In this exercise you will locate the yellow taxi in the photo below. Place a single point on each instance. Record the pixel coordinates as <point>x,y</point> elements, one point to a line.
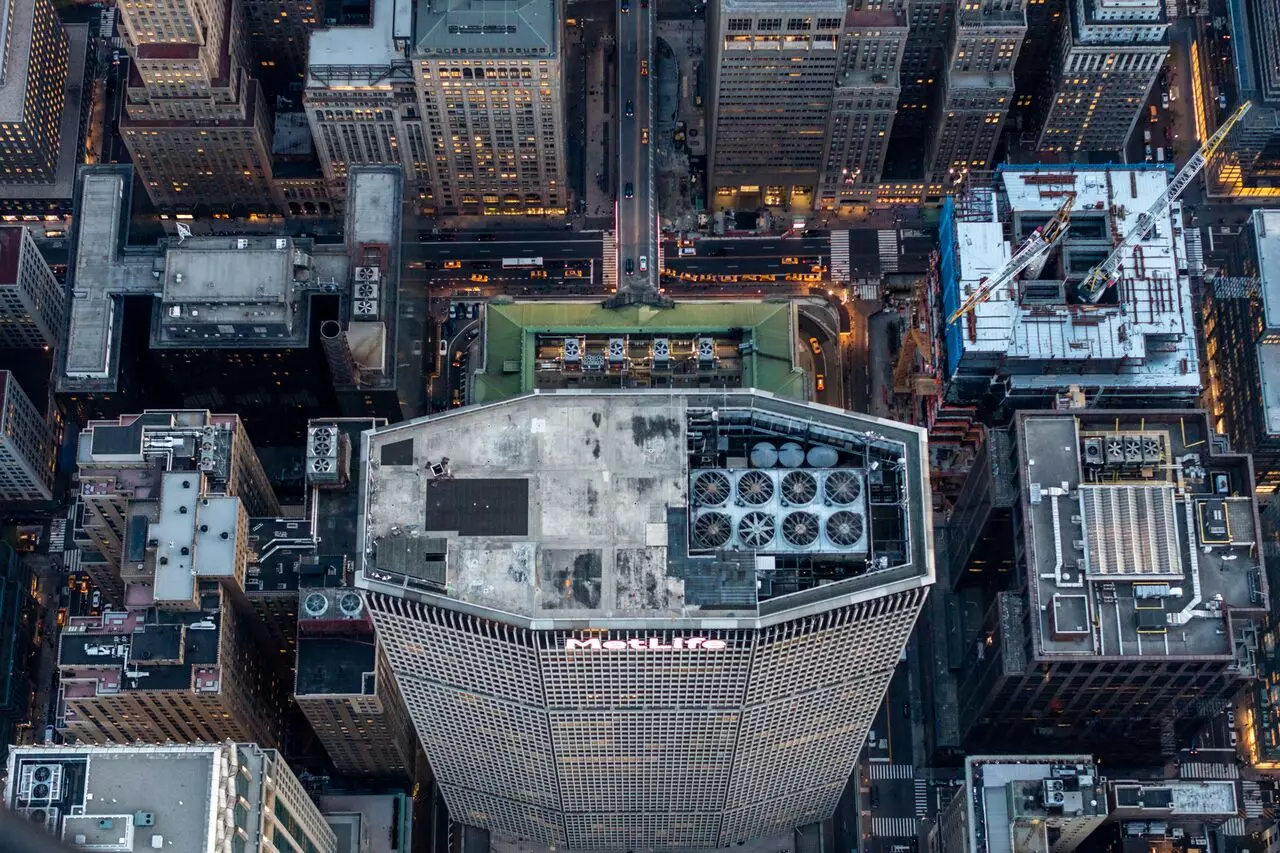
<point>453,265</point>
<point>644,68</point>
<point>571,273</point>
<point>790,261</point>
<point>644,136</point>
<point>479,279</point>
<point>538,274</point>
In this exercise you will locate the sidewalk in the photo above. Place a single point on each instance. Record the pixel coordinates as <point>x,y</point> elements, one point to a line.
<point>600,152</point>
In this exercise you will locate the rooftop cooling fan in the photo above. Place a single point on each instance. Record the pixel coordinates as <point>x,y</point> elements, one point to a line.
<point>845,528</point>
<point>800,528</point>
<point>315,604</point>
<point>843,487</point>
<point>42,774</point>
<point>755,488</point>
<point>710,488</point>
<point>350,604</point>
<point>756,529</point>
<point>799,487</point>
<point>712,530</point>
<point>40,791</point>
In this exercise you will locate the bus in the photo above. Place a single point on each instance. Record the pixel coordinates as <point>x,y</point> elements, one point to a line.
<point>521,263</point>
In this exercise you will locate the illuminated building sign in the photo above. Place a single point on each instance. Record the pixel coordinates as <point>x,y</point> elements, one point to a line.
<point>650,644</point>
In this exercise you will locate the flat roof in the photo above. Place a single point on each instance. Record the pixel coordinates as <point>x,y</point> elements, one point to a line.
<point>492,28</point>
<point>372,45</point>
<point>562,508</point>
<point>230,280</point>
<point>1136,514</point>
<point>336,666</point>
<point>993,808</point>
<point>511,333</point>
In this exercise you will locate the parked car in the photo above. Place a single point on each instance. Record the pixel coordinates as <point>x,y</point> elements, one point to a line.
<point>644,263</point>
<point>631,267</point>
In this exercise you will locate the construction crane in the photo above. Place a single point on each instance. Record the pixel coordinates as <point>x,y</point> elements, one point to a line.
<point>904,382</point>
<point>1101,277</point>
<point>1039,242</point>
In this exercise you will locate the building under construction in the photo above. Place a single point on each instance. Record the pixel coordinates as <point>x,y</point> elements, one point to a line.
<point>1031,339</point>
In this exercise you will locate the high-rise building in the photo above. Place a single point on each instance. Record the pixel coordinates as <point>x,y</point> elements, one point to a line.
<point>1111,53</point>
<point>772,72</point>
<point>362,104</point>
<point>1247,165</point>
<point>1130,609</point>
<point>122,465</point>
<point>278,31</point>
<point>16,604</point>
<point>977,87</point>
<point>923,60</point>
<point>35,58</point>
<point>1023,804</point>
<point>27,450</point>
<point>32,306</point>
<point>490,80</point>
<point>652,619</point>
<point>196,124</point>
<point>864,103</point>
<point>202,798</point>
<point>1034,340</point>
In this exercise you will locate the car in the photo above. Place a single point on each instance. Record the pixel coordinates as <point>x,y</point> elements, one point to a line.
<point>631,108</point>
<point>481,265</point>
<point>815,346</point>
<point>630,190</point>
<point>1148,150</point>
<point>444,348</point>
<point>1233,737</point>
<point>479,278</point>
<point>1164,100</point>
<point>457,359</point>
<point>644,136</point>
<point>487,238</point>
<point>95,600</point>
<point>787,262</point>
<point>570,272</point>
<point>1155,116</point>
<point>1173,93</point>
<point>821,382</point>
<point>453,265</point>
<point>644,68</point>
<point>1231,718</point>
<point>625,6</point>
<point>537,274</point>
<point>631,267</point>
<point>644,263</point>
<point>457,398</point>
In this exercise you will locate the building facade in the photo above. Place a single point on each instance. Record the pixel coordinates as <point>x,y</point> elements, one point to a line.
<point>1247,165</point>
<point>32,306</point>
<point>1108,60</point>
<point>658,664</point>
<point>36,52</point>
<point>206,798</point>
<point>196,124</point>
<point>492,99</point>
<point>27,450</point>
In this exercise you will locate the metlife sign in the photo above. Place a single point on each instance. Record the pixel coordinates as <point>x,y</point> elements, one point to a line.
<point>650,644</point>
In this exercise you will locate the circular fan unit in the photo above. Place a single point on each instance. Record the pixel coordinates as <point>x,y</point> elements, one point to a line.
<point>315,604</point>
<point>349,603</point>
<point>843,487</point>
<point>845,528</point>
<point>40,792</point>
<point>712,530</point>
<point>800,528</point>
<point>38,816</point>
<point>710,488</point>
<point>755,488</point>
<point>42,774</point>
<point>756,529</point>
<point>799,487</point>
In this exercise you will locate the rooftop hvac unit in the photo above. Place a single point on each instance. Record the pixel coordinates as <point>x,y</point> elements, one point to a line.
<point>706,349</point>
<point>711,488</point>
<point>593,361</point>
<point>756,529</point>
<point>1114,449</point>
<point>572,350</point>
<point>242,243</point>
<point>351,604</point>
<point>281,243</point>
<point>711,530</point>
<point>366,308</point>
<point>323,441</point>
<point>661,349</point>
<point>755,488</point>
<point>322,466</point>
<point>842,488</point>
<point>616,349</point>
<point>366,290</point>
<point>207,464</point>
<point>316,604</point>
<point>845,528</point>
<point>800,528</point>
<point>799,488</point>
<point>1132,449</point>
<point>368,273</point>
<point>1093,451</point>
<point>1152,449</point>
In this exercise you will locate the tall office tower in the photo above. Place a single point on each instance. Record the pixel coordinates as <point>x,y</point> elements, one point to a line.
<point>863,104</point>
<point>32,306</point>
<point>1033,74</point>
<point>1111,53</point>
<point>653,619</point>
<point>35,56</point>
<point>362,104</point>
<point>203,798</point>
<point>27,451</point>
<point>1023,804</point>
<point>18,646</point>
<point>122,464</point>
<point>346,689</point>
<point>1247,166</point>
<point>197,126</point>
<point>179,663</point>
<point>977,87</point>
<point>278,32</point>
<point>1130,614</point>
<point>490,81</point>
<point>923,57</point>
<point>772,74</point>
<point>1034,340</point>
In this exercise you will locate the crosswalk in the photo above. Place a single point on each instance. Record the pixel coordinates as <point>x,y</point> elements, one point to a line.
<point>922,797</point>
<point>885,770</point>
<point>839,256</point>
<point>609,260</point>
<point>57,535</point>
<point>863,289</point>
<point>894,827</point>
<point>1234,826</point>
<point>1195,252</point>
<point>1208,770</point>
<point>1251,796</point>
<point>887,238</point>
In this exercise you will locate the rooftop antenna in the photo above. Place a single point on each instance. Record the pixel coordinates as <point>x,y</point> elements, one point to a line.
<point>184,231</point>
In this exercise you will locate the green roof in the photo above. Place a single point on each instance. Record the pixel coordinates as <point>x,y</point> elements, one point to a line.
<point>510,330</point>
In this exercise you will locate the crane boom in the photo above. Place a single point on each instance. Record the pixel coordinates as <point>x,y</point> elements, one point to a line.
<point>1039,242</point>
<point>1098,279</point>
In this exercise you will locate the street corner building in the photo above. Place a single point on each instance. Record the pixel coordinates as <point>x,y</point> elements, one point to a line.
<point>644,619</point>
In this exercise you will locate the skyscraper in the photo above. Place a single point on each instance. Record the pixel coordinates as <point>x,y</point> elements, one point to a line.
<point>1246,167</point>
<point>1106,66</point>
<point>26,446</point>
<point>490,81</point>
<point>196,124</point>
<point>652,619</point>
<point>32,306</point>
<point>35,55</point>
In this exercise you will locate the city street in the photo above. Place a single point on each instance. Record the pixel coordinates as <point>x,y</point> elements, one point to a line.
<point>637,199</point>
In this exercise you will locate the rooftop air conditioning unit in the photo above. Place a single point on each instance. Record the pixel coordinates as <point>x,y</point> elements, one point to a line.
<point>366,290</point>
<point>368,273</point>
<point>366,308</point>
<point>242,243</point>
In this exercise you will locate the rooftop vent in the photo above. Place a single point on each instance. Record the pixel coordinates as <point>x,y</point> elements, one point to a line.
<point>661,349</point>
<point>800,528</point>
<point>366,308</point>
<point>572,350</point>
<point>755,488</point>
<point>711,488</point>
<point>799,488</point>
<point>712,530</point>
<point>366,290</point>
<point>316,604</point>
<point>617,350</point>
<point>842,487</point>
<point>350,604</point>
<point>706,349</point>
<point>845,528</point>
<point>756,529</point>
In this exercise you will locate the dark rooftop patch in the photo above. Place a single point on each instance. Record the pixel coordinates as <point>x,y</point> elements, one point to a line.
<point>398,452</point>
<point>479,507</point>
<point>569,579</point>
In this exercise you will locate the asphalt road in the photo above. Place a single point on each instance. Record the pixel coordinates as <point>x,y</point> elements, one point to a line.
<point>637,216</point>
<point>425,260</point>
